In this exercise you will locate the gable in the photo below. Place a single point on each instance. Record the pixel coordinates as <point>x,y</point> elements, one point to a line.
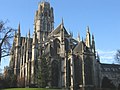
<point>57,31</point>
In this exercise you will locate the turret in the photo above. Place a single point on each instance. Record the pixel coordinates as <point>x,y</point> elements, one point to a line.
<point>19,30</point>
<point>88,38</point>
<point>93,44</point>
<point>28,40</point>
<point>18,36</point>
<point>29,34</point>
<point>17,51</point>
<point>78,38</point>
<point>82,45</point>
<point>62,31</point>
<point>62,23</point>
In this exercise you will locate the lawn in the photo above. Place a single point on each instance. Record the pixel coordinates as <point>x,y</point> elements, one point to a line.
<point>25,89</point>
<point>29,89</point>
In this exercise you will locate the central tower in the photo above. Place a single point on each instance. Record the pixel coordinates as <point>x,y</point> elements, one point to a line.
<point>44,21</point>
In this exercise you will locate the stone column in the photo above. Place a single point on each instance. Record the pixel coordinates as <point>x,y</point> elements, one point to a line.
<point>72,71</point>
<point>83,73</point>
<point>63,72</point>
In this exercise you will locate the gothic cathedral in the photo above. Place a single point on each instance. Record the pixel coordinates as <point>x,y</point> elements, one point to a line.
<point>52,57</point>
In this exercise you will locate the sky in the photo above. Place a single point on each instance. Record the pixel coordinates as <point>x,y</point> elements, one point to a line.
<point>102,17</point>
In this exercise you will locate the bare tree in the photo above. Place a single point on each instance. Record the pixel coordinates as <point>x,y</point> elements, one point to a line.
<point>6,35</point>
<point>117,56</point>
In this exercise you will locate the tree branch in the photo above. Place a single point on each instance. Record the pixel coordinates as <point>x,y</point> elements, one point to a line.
<point>6,33</point>
<point>5,55</point>
<point>5,37</point>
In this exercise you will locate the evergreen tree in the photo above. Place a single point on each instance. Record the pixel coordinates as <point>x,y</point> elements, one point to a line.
<point>43,72</point>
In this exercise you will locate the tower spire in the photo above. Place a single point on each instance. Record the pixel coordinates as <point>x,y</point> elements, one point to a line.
<point>18,35</point>
<point>19,28</point>
<point>88,37</point>
<point>88,31</point>
<point>93,44</point>
<point>26,38</point>
<point>92,37</point>
<point>29,34</point>
<point>62,23</point>
<point>78,37</point>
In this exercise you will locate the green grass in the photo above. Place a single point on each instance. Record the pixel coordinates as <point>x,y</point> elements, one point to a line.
<point>30,89</point>
<point>25,89</point>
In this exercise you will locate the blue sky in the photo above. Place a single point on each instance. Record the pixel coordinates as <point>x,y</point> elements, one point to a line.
<point>102,16</point>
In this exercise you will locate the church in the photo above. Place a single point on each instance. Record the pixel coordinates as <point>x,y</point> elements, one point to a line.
<point>52,57</point>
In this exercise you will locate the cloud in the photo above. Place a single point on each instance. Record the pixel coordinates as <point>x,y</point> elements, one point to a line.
<point>106,56</point>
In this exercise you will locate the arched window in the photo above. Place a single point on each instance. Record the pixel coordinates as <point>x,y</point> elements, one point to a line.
<point>78,71</point>
<point>106,83</point>
<point>55,74</point>
<point>88,64</point>
<point>66,44</point>
<point>57,46</point>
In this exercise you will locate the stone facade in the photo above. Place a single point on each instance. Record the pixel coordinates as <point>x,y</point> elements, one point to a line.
<point>112,72</point>
<point>73,63</point>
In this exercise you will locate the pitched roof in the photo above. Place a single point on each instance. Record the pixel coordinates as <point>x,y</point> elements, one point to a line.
<point>57,31</point>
